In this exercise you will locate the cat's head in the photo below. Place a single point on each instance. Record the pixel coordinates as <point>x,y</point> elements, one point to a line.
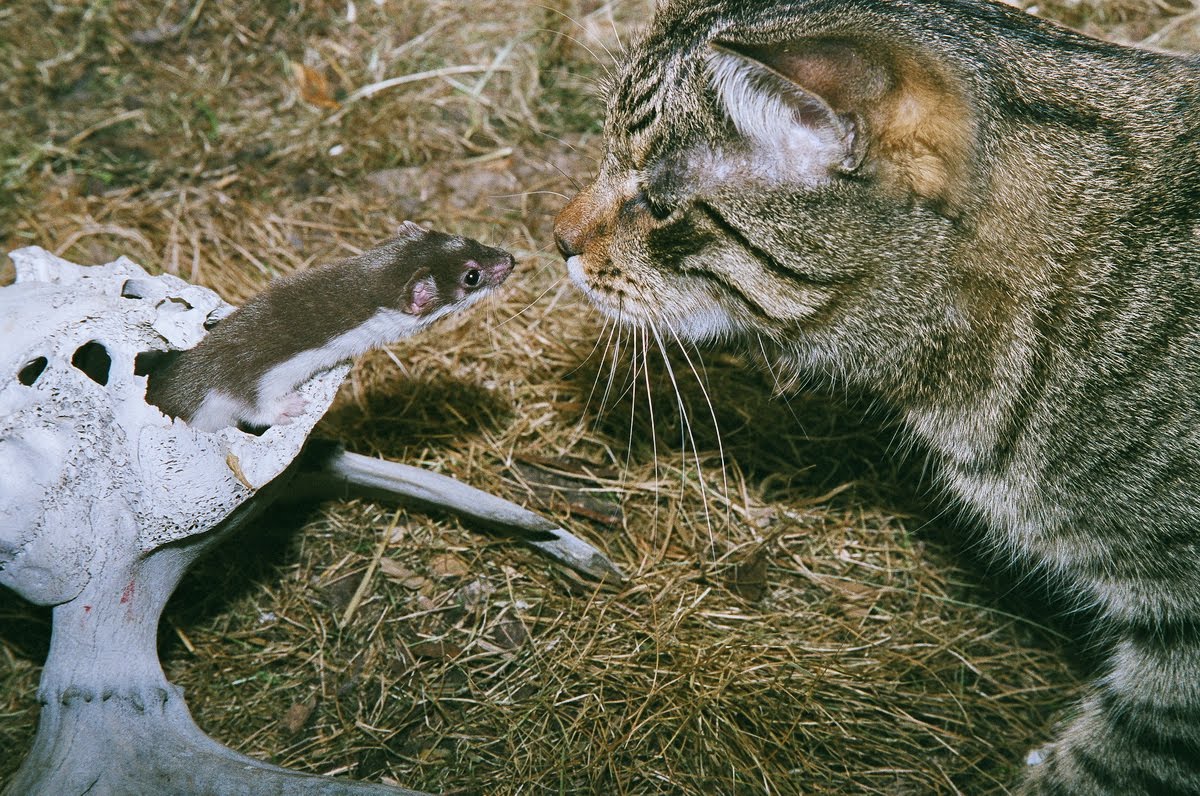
<point>762,163</point>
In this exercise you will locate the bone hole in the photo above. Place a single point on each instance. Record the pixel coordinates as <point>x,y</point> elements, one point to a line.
<point>93,359</point>
<point>174,304</point>
<point>215,317</point>
<point>29,374</point>
<point>257,431</point>
<point>134,289</point>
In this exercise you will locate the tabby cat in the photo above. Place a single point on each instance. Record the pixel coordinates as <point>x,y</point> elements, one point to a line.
<point>989,220</point>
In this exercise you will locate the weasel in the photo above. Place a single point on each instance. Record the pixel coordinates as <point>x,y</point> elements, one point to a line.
<point>246,370</point>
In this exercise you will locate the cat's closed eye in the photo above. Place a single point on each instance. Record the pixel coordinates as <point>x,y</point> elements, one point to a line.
<point>648,199</point>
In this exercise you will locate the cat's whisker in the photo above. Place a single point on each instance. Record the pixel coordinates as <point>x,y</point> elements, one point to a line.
<point>562,141</point>
<point>543,249</point>
<point>653,428</point>
<point>612,371</point>
<point>779,388</point>
<point>521,194</point>
<point>633,339</point>
<point>590,354</point>
<point>686,430</point>
<point>612,21</point>
<point>611,58</point>
<point>712,412</point>
<point>574,182</point>
<point>610,327</point>
<point>577,40</point>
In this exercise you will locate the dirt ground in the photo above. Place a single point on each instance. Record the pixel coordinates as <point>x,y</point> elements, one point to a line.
<point>801,617</point>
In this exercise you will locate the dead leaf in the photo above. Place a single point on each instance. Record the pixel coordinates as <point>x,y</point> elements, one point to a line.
<point>853,594</point>
<point>337,595</point>
<point>298,715</point>
<point>508,634</point>
<point>472,596</point>
<point>393,570</point>
<point>313,86</point>
<point>448,565</point>
<point>749,576</point>
<point>850,589</point>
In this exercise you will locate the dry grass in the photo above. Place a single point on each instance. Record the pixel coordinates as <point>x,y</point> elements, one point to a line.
<point>798,619</point>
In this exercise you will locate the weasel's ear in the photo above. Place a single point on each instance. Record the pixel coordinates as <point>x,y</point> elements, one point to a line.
<point>844,106</point>
<point>422,293</point>
<point>411,230</point>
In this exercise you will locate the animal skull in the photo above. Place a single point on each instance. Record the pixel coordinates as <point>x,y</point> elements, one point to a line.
<point>105,502</point>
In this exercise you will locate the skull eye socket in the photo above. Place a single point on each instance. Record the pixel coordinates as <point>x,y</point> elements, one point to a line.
<point>29,374</point>
<point>93,359</point>
<point>471,278</point>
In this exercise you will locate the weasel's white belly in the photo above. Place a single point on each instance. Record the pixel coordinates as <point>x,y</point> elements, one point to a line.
<point>218,410</point>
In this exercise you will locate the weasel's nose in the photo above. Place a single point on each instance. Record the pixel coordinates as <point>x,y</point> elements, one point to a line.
<point>503,266</point>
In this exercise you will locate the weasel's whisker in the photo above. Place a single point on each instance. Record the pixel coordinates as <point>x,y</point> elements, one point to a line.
<point>523,310</point>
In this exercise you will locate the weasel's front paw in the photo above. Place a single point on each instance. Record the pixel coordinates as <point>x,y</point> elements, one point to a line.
<point>288,408</point>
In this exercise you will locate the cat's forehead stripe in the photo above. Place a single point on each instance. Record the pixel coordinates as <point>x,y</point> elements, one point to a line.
<point>662,62</point>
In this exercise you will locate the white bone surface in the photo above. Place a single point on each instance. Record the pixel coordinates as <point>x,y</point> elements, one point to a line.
<point>163,469</point>
<point>104,503</point>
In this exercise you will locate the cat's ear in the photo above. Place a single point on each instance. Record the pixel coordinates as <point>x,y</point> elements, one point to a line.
<point>778,112</point>
<point>849,105</point>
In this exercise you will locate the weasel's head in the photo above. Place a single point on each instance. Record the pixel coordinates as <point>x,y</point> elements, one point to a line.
<point>443,273</point>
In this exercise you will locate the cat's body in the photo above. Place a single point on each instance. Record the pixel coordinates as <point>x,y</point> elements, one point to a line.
<point>990,221</point>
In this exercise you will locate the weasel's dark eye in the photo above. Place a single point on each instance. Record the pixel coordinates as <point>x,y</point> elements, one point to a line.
<point>471,278</point>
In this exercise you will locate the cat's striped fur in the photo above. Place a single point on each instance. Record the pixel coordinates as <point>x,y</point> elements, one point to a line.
<point>989,220</point>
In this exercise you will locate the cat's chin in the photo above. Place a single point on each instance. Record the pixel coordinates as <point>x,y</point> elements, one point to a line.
<point>699,325</point>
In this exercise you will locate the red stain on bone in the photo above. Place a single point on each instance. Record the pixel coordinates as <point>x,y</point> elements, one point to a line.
<point>127,595</point>
<point>87,609</point>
